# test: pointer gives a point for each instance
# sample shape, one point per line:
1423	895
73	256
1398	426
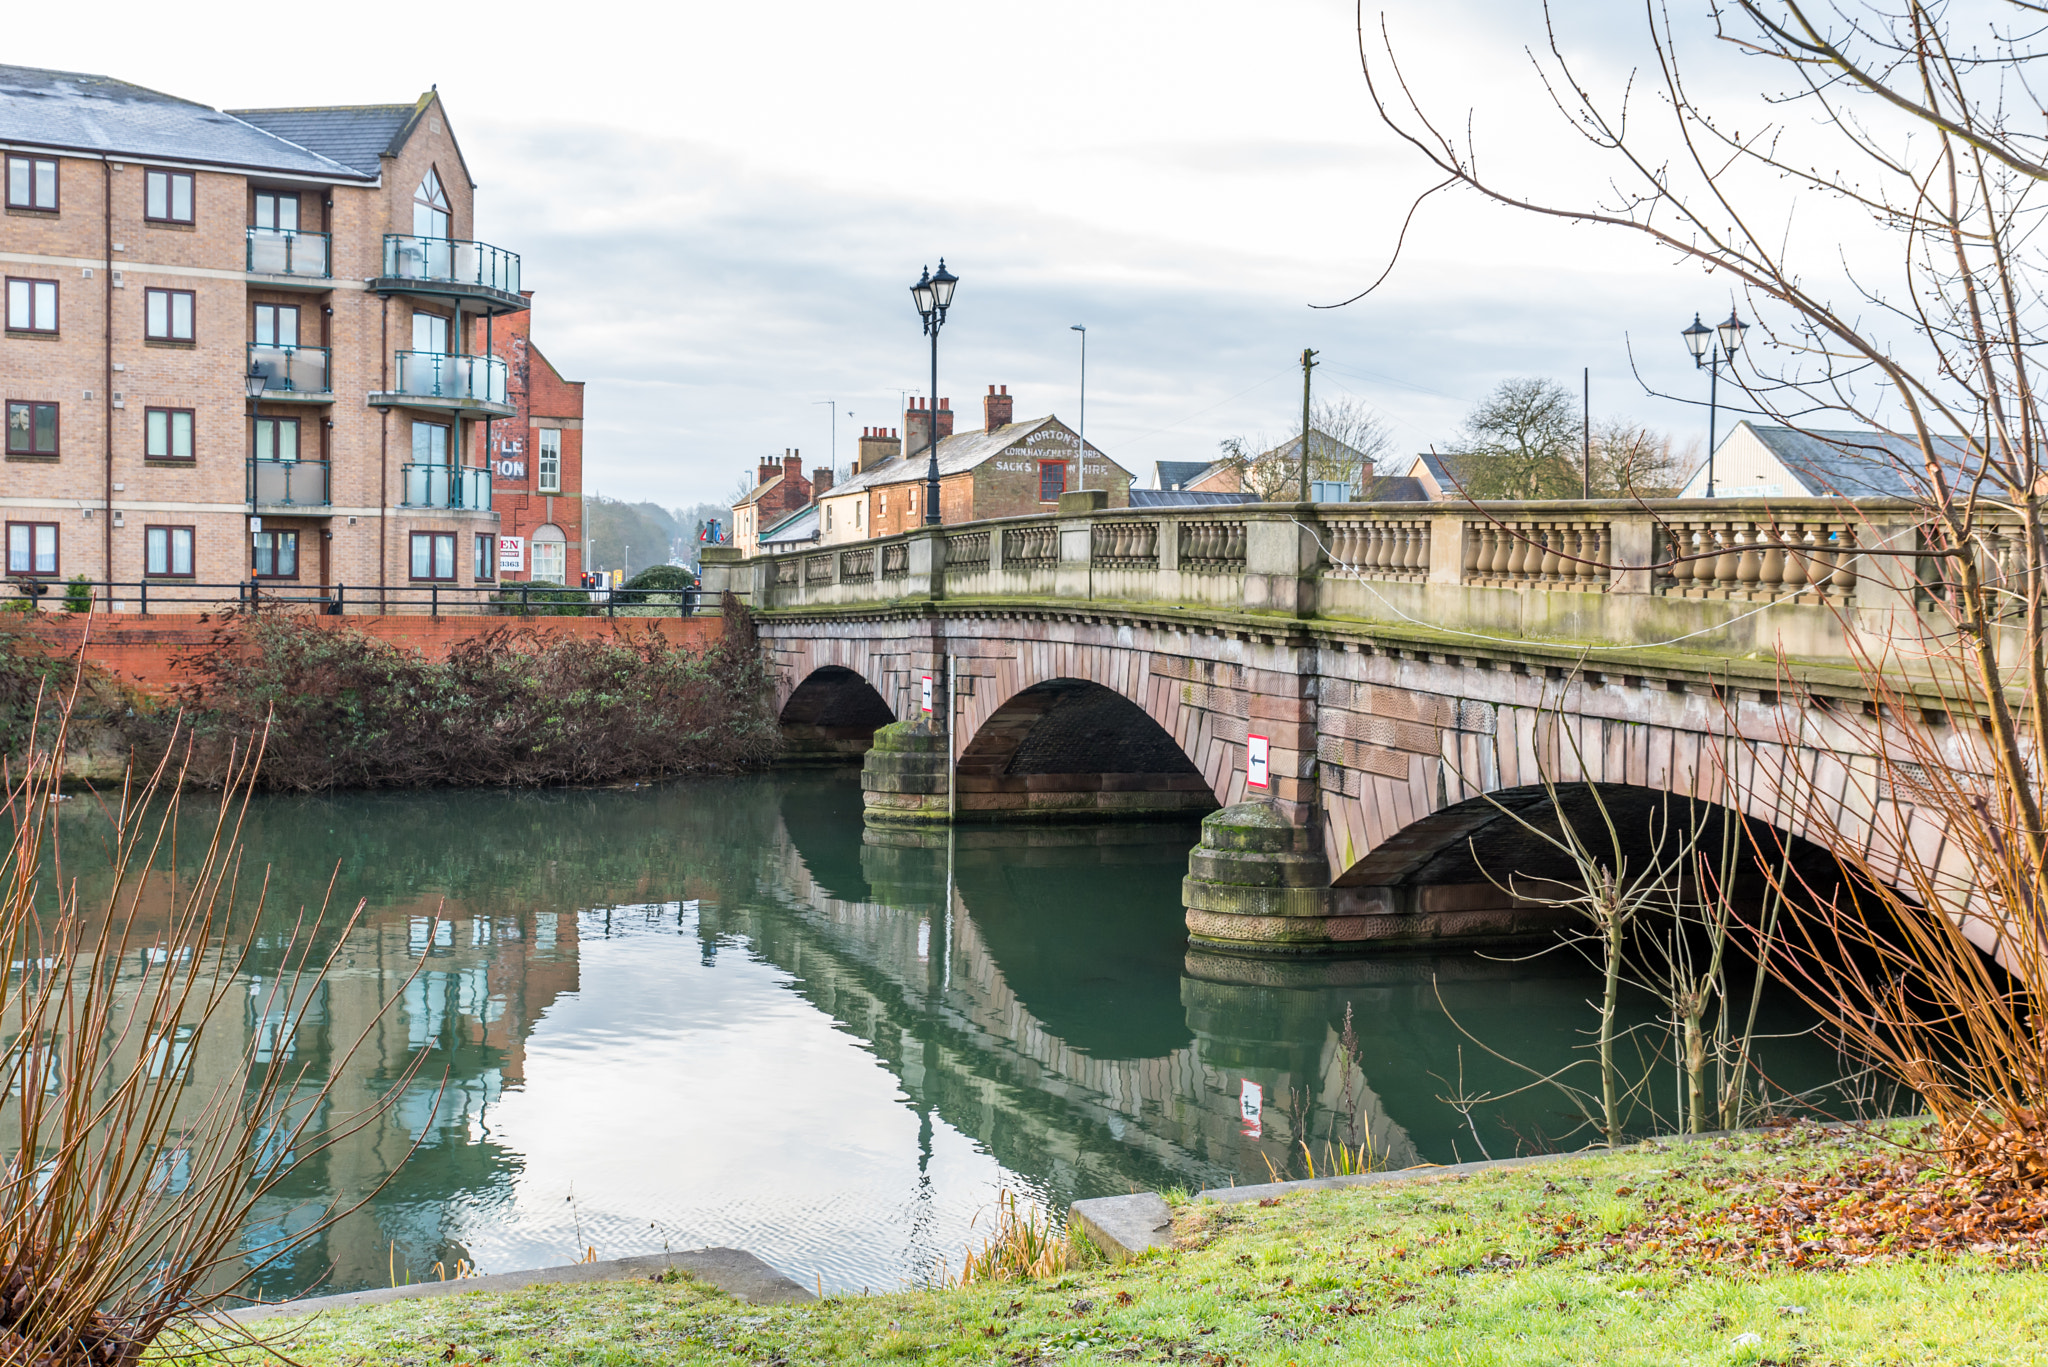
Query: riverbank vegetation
335	708
1713	1251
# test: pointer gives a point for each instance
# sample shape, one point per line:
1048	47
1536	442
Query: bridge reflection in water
720	1011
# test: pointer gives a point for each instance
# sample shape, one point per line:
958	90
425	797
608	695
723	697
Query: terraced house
243	345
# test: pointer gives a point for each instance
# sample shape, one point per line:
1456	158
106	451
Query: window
167	315
277	439
551	460
167	551
1052	480
277	555
429	443
167	196
828	517
31	305
31	548
169	1053
31	429
550	555
167	433
32	183
277	325
430	333
274	210
433	555
430	216
486	556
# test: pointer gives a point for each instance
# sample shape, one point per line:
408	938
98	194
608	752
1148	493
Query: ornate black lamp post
933	295
1712	353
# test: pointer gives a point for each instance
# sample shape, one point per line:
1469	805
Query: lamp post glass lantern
1712	348
933	295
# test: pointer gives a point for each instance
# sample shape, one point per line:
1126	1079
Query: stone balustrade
1723	576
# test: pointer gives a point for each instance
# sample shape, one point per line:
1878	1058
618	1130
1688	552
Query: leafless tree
1349	438
1903	138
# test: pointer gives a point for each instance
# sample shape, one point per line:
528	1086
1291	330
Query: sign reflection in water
721	1013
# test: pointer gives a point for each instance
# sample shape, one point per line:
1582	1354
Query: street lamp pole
1081	438
933	295
1712	348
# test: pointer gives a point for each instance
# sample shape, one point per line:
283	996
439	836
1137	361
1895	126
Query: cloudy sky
721	206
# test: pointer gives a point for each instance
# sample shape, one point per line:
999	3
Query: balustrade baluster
1748	564
1517	551
1771	568
1475	537
1725	563
1796	568
1845	561
1549	537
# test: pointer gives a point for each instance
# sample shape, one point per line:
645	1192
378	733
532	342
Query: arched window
550	554
430	213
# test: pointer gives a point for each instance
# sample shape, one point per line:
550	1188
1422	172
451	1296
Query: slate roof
800	528
1185	498
1175	474
958	453
1844	464
354	135
1395	489
78	111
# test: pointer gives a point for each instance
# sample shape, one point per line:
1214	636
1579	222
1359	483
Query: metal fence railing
171	595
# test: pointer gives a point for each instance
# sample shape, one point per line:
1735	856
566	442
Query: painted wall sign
511	555
1258	753
927	695
509	468
1251	1106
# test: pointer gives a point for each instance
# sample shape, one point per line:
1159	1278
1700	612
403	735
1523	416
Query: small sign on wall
1258	762
511	555
927	695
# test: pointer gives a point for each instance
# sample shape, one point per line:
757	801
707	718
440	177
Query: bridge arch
1073	748
831	716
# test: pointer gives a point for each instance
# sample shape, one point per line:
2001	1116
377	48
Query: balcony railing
299	483
448	486
449	261
286	251
433	375
290	369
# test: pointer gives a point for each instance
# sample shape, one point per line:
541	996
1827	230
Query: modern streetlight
1081	456
933	295
1713	348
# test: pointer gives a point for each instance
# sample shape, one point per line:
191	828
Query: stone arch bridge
1404	680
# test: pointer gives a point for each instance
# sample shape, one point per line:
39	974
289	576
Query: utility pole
1586	469
1308	363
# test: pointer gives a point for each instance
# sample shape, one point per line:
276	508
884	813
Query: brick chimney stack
821	481
792	465
877	444
996	409
945	418
917	428
770	468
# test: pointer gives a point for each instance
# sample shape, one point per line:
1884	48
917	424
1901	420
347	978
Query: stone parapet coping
734	1271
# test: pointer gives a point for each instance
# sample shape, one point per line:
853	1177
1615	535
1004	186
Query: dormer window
431	216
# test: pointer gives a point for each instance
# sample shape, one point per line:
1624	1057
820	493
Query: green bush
78	594
542	599
662	579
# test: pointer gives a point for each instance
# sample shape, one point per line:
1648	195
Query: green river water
718	1012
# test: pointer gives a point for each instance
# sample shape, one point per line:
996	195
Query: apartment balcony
292	374
289	259
287	485
467	386
475	273
462	487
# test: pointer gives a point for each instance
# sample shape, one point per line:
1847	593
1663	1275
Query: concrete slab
734	1271
1125	1226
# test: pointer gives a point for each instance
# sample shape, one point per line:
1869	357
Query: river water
719	1012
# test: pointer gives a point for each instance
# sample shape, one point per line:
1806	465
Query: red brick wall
145	650
544	400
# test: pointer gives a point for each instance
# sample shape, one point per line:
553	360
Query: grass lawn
1511	1267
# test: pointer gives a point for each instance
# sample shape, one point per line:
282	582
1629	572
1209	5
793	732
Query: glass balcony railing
290	369
432	375
296	482
450	261
447	486
286	251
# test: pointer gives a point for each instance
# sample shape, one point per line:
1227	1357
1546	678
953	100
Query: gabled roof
799	528
1178	474
1844	464
354	135
76	111
1394	489
958	453
1185	498
753	495
1324	446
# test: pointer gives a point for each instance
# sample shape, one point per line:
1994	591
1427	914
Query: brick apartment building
163	260
1007	469
536	462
